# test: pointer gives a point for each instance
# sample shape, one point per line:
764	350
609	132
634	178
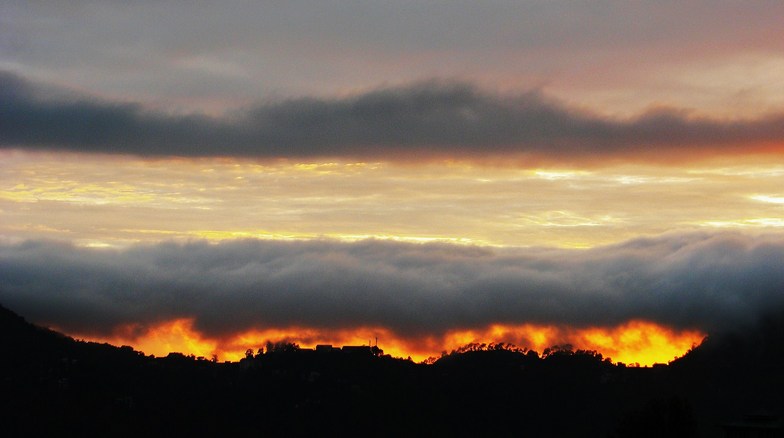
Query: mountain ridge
57	384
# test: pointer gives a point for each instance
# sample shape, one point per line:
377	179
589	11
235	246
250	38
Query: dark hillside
53	384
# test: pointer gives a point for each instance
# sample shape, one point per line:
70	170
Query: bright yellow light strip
764	222
128	200
768	198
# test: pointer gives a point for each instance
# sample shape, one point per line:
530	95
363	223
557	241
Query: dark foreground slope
56	386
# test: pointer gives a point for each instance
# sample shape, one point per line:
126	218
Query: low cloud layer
700	281
431	119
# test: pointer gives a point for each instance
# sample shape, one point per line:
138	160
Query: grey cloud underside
426	119
699	281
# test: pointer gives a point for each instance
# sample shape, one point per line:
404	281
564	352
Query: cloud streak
426	120
695	281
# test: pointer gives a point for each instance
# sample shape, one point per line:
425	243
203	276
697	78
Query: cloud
698	281
217	54
431	119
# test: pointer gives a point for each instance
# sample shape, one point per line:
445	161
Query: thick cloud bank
425	120
689	281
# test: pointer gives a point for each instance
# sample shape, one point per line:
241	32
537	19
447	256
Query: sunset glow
638	342
44	195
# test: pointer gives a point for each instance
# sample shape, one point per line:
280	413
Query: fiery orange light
177	335
641	342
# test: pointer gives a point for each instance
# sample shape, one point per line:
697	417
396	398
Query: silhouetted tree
281	347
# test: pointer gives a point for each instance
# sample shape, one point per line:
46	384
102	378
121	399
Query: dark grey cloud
701	281
429	119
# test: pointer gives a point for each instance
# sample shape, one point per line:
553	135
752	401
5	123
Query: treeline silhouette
53	385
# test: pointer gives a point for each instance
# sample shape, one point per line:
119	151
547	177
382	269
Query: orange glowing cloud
639	342
172	336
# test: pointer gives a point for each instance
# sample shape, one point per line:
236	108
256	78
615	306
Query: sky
206	177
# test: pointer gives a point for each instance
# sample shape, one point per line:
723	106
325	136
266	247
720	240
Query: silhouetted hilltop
757	345
53	384
18	335
50	380
737	374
